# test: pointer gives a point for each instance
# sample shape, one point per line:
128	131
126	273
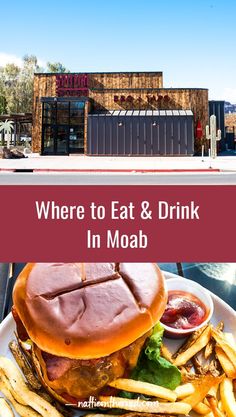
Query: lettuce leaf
153	348
151	367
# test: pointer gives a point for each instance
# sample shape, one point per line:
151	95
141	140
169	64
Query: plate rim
226	306
6	321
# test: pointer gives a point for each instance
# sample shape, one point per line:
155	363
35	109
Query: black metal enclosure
141	132
218	109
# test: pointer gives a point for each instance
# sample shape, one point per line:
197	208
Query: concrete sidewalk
82	163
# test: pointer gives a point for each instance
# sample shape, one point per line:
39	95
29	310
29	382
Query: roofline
98	72
217	101
148	88
135	112
157	89
67	98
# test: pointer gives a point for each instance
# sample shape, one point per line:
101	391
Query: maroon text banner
118	223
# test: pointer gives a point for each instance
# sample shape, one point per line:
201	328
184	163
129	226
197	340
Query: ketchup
184	310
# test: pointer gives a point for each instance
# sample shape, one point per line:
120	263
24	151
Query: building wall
166	132
44	86
125	80
117	91
167	99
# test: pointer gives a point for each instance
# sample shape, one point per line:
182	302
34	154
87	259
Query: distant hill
230	108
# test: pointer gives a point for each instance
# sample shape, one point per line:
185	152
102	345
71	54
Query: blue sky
192	42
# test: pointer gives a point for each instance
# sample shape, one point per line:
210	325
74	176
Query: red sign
71	85
199	132
157	99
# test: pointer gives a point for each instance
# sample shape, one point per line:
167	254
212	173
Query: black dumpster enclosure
141	132
217	107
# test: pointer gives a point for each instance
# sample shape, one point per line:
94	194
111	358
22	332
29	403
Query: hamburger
86	322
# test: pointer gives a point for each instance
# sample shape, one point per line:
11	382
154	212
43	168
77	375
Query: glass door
76	139
62	135
55	140
48	145
63	126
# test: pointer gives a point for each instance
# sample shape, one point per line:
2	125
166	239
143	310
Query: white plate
222	311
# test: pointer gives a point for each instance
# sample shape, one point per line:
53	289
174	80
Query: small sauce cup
191	287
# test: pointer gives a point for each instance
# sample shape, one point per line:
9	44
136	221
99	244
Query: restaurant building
128	113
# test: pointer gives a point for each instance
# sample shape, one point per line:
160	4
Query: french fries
227	397
13	382
129	414
225	345
144	388
202	409
202	387
213	405
100	415
184	391
210	346
166	353
24	366
25	347
225	362
22	410
5	409
209	349
213	391
230	339
142	406
198	345
197	365
189	342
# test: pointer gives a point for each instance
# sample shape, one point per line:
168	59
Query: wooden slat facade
119	80
119	91
44	86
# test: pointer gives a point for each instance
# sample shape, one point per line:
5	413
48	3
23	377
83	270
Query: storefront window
63	126
63	113
49	113
48	133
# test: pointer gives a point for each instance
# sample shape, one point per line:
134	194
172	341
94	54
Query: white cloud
227	94
230	95
6	58
9	59
42	63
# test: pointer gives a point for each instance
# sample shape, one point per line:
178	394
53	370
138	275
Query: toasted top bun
87	311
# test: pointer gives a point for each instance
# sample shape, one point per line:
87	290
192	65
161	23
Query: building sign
71	85
152	99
